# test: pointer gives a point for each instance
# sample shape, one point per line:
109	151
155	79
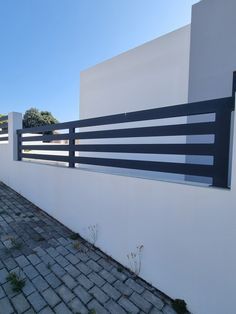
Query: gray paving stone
28	288
61	250
85	282
168	310
111	291
72	270
3	275
65	293
123	288
53	281
47	259
114	308
134	285
63	241
72	259
99	294
40	252
94	266
5	306
36	301
51	297
43	269
20	303
52	252
46	310
2	293
128	305
157	302
34	259
77	306
94	305
40	283
84	296
155	311
58	270
30	271
22	261
107	276
10	263
95	278
61	260
93	255
69	281
83	268
62	309
30	311
140	302
105	264
119	275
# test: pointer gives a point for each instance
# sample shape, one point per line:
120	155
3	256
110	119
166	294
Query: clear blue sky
44	44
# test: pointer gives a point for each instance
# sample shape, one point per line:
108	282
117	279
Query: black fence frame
4	127
220	128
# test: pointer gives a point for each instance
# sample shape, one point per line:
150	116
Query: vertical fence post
222	142
14	123
71	147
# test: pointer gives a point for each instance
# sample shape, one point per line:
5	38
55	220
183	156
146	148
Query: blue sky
44	44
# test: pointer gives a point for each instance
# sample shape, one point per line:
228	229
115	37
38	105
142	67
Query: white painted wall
188	232
149	76
213	49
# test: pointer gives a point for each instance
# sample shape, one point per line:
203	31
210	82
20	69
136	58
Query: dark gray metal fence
220	128
4	128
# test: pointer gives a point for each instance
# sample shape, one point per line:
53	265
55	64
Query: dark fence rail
3	128
219	149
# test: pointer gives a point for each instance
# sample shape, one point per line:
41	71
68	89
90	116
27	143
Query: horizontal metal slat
202	107
165	130
3	132
45	157
3	125
5	138
177	149
178	168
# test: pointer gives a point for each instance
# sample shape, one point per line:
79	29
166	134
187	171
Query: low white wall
188	232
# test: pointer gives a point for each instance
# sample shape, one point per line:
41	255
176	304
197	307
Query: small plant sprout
15	244
180	306
74	236
93	233
76	245
17	283
49	266
135	260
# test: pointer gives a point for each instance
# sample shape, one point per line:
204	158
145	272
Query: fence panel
3	128
44	140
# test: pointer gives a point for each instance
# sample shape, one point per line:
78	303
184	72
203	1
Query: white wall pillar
14	123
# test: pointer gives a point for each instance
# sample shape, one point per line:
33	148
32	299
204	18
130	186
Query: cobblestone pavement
62	275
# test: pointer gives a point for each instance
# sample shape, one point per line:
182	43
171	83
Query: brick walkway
60	278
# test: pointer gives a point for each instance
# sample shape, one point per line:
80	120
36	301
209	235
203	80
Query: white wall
188	232
213	49
149	76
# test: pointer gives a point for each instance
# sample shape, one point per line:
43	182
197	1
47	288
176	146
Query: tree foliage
34	118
